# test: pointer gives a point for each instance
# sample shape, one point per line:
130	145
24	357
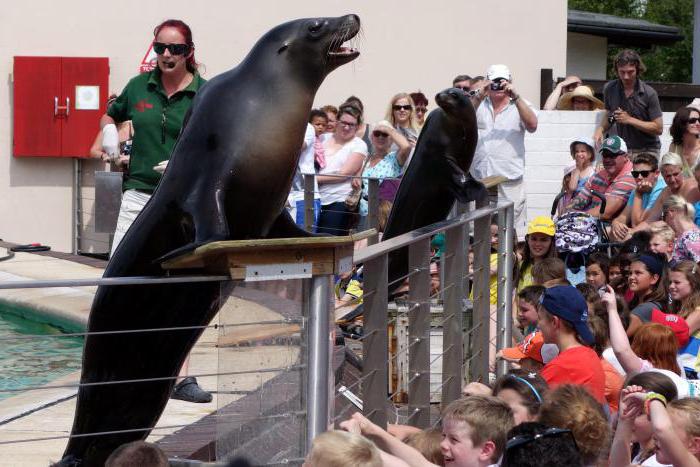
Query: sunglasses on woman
380	134
693	120
401	107
421	110
175	49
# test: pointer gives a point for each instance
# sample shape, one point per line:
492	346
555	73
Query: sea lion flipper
285	227
464	186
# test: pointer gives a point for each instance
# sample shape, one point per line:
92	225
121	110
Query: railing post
479	355
452	357
309	202
375	349
319	381
419	334
373	208
505	284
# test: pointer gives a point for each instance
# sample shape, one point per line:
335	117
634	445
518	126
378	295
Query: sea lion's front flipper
285	227
464	186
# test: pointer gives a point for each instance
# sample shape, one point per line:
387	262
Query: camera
611	118
497	84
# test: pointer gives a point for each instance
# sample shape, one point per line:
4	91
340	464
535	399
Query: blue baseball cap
567	303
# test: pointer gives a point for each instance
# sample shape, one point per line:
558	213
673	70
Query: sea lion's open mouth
339	53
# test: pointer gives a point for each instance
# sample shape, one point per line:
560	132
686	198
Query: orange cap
530	347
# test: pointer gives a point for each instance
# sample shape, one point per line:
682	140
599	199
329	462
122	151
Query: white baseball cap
498	71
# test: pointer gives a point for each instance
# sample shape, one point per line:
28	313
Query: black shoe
188	390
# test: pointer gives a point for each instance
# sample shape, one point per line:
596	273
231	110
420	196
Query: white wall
548	154
406	45
586	56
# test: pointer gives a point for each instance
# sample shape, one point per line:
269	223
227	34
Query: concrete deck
48	413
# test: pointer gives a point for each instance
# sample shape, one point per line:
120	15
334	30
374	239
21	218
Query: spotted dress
687	246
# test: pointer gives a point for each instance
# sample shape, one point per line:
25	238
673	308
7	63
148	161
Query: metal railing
465	330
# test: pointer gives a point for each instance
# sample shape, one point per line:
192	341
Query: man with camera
634	112
502	118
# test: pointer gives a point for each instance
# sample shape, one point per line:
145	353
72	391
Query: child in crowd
597	270
572	407
342	449
655	345
583	154
613	378
528	299
647	281
523	391
549	272
427	442
662	239
319	120
636	428
538	445
530	354
675	425
473	428
563	320
590	294
618	274
539	244
684	290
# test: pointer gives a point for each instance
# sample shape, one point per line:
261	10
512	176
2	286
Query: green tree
664	63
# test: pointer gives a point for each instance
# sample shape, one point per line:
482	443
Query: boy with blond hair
662	239
342	449
474	433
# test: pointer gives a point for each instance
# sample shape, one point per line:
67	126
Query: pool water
26	363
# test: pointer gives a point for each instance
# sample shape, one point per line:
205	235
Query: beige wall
586	56
406	45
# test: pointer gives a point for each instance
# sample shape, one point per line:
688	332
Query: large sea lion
437	174
228	178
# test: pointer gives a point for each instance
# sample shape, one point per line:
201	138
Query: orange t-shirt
577	365
613	385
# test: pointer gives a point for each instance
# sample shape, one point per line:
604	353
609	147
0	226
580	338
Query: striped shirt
621	187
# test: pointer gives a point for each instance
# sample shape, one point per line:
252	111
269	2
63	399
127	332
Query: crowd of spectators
604	362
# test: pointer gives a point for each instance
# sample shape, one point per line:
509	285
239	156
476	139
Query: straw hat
580	91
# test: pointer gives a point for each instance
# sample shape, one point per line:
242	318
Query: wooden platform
324	255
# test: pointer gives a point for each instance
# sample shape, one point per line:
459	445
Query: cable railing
404	365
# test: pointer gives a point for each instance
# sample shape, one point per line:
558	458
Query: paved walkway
48	413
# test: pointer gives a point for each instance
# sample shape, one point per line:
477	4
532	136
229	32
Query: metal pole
479	364
375	346
452	338
134	280
419	334
505	284
373	208
309	202
319	358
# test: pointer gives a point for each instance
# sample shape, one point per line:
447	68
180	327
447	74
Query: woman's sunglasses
401	107
692	121
380	134
421	110
175	49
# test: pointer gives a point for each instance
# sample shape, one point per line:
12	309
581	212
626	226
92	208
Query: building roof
622	31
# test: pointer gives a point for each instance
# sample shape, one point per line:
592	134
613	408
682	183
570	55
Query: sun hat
533	347
498	71
582	140
614	144
568	169
541	224
565	101
566	302
678	325
695	104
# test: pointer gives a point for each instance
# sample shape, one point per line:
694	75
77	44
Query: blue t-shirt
388	167
648	199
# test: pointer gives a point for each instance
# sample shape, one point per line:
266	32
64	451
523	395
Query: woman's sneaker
188	390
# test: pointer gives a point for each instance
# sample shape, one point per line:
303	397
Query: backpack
576	232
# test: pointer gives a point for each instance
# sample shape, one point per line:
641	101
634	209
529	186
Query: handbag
353	198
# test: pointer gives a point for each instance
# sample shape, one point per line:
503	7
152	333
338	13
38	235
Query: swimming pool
33	362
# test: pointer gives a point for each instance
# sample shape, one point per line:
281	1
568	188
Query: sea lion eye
315	27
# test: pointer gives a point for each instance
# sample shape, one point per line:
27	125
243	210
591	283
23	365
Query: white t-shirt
501	146
305	166
651	462
337	192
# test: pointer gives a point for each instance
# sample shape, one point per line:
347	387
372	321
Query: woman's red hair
186	32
